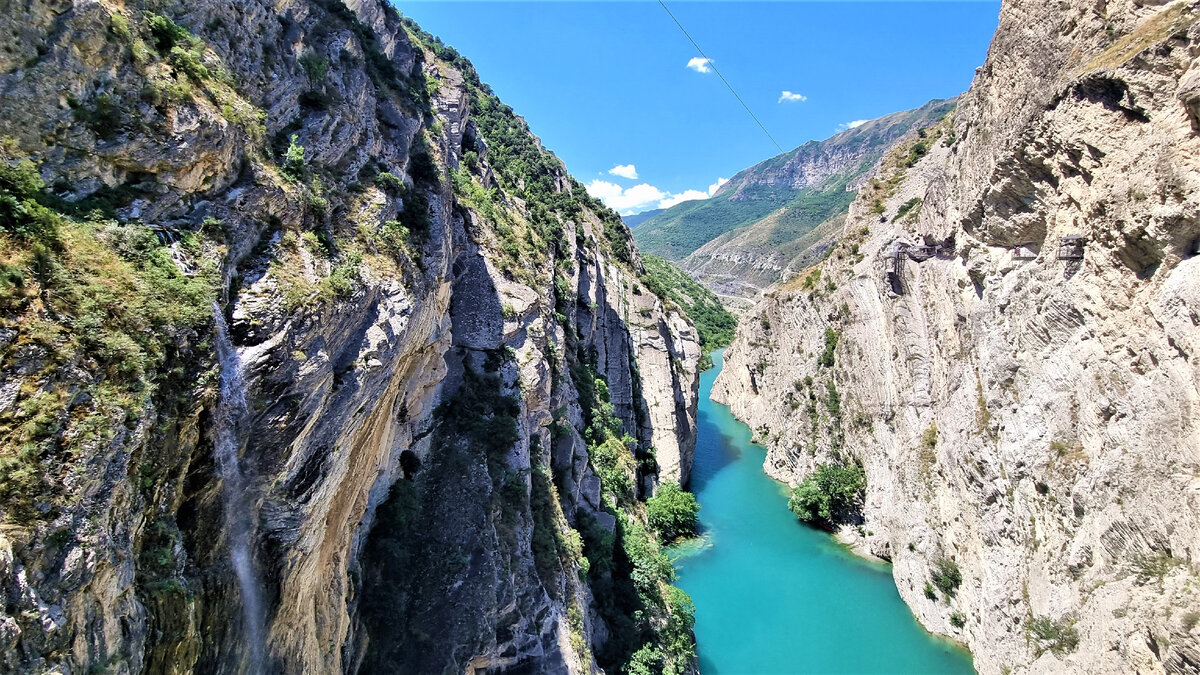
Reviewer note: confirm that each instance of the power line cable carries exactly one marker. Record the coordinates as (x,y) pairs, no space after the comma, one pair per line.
(709,63)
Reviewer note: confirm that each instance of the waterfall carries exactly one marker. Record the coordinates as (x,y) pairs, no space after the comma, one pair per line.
(231,415)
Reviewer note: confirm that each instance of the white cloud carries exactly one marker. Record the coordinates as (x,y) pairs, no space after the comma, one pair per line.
(791,97)
(624,171)
(700,65)
(852,125)
(685,196)
(644,196)
(626,201)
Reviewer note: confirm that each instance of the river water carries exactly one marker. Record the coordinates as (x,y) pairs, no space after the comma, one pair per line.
(775,596)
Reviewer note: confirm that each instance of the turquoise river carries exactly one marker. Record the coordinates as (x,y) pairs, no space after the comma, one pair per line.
(775,596)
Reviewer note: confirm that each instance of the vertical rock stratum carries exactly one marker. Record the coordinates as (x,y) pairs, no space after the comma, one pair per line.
(1026,407)
(435,327)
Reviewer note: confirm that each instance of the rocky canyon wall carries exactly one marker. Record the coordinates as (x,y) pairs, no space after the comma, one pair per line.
(1029,419)
(417,292)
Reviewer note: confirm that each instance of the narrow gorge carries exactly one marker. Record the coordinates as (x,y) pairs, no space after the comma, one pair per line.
(313,359)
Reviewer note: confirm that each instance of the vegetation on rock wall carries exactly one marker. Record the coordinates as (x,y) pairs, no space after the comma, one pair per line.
(672,512)
(649,620)
(97,317)
(526,170)
(832,494)
(714,323)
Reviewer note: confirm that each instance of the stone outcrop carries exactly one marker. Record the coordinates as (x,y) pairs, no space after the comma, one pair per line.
(1031,418)
(376,267)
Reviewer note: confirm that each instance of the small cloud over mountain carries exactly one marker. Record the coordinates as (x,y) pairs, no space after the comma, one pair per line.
(852,125)
(645,196)
(792,97)
(700,65)
(624,171)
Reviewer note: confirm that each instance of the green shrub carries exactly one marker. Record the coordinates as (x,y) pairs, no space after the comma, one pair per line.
(831,341)
(649,565)
(342,280)
(167,34)
(833,401)
(316,196)
(1057,637)
(390,183)
(930,592)
(906,207)
(470,160)
(672,512)
(1154,566)
(315,66)
(957,619)
(946,576)
(919,150)
(21,212)
(293,160)
(188,62)
(930,436)
(119,26)
(647,660)
(830,494)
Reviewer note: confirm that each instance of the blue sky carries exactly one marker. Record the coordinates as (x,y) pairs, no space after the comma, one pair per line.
(608,84)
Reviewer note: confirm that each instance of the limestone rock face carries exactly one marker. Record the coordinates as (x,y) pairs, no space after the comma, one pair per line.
(1033,419)
(358,303)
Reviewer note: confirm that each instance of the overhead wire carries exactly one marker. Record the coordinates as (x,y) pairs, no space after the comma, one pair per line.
(711,64)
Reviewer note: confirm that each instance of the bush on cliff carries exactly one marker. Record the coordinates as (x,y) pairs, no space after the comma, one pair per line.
(830,494)
(672,512)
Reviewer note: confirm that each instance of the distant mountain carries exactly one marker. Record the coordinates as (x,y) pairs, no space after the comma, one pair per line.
(746,235)
(639,218)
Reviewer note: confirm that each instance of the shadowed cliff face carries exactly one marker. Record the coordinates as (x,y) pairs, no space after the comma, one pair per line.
(1032,419)
(408,311)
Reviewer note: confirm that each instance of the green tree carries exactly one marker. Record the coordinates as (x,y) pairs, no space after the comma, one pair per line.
(946,576)
(829,493)
(672,512)
(293,160)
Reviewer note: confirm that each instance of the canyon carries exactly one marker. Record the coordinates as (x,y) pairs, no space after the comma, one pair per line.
(314,359)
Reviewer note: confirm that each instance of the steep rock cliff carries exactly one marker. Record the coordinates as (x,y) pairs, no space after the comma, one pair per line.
(1027,420)
(411,284)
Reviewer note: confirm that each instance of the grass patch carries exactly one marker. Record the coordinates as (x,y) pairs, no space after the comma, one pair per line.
(1154,30)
